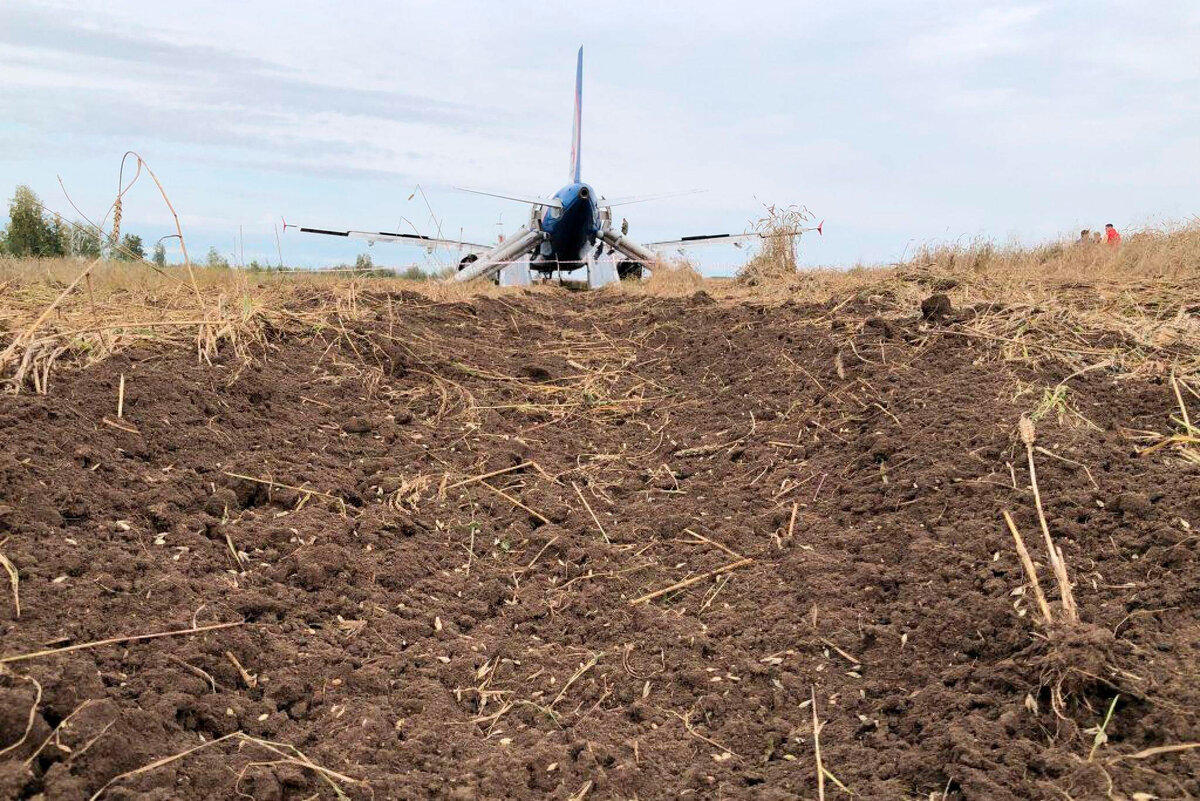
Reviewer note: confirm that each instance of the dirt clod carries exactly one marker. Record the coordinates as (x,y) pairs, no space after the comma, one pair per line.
(936,307)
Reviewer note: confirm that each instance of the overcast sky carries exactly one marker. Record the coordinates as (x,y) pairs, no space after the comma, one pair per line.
(897,122)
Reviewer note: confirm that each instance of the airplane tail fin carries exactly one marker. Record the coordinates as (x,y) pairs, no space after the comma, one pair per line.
(575,133)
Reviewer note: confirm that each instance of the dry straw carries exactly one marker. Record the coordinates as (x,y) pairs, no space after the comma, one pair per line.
(1057,562)
(14,579)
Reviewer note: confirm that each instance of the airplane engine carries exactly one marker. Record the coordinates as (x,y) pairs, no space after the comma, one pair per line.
(630,270)
(469,259)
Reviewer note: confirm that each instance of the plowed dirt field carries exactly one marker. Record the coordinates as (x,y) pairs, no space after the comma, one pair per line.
(602,545)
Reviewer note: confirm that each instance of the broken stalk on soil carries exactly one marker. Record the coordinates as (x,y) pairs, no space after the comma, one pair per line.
(588,506)
(14,578)
(816,724)
(299,760)
(679,585)
(117,640)
(37,699)
(1030,571)
(1057,563)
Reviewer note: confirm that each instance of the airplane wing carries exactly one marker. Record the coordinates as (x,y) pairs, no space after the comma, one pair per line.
(427,242)
(720,239)
(533,201)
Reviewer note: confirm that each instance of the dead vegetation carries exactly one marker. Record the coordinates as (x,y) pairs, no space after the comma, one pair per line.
(775,261)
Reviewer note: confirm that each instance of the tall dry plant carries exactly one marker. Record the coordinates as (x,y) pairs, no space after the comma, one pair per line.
(780,229)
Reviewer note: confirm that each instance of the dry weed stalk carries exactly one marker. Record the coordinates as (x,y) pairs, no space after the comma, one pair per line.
(37,699)
(36,350)
(295,757)
(816,724)
(679,585)
(1030,571)
(14,578)
(588,506)
(277,485)
(1156,750)
(117,641)
(584,668)
(545,520)
(178,230)
(775,263)
(1057,562)
(1184,441)
(56,733)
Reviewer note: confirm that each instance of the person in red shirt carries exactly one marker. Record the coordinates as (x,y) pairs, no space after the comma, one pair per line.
(1111,235)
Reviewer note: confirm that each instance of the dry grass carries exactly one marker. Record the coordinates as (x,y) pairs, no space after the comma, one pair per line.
(123,304)
(669,279)
(1136,307)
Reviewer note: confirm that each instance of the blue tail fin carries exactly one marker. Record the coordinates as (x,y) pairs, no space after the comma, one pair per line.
(575,134)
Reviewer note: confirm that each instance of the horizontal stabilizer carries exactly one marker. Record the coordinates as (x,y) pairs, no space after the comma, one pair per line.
(625,201)
(720,239)
(550,202)
(372,237)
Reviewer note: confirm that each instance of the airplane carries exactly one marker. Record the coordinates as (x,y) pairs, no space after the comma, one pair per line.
(567,231)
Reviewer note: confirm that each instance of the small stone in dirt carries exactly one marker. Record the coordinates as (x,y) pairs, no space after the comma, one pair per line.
(537,372)
(1131,503)
(358,425)
(222,502)
(398,363)
(44,513)
(886,327)
(881,448)
(314,566)
(936,307)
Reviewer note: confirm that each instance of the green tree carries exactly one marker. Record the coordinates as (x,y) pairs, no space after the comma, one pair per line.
(131,248)
(59,236)
(29,231)
(85,243)
(160,254)
(364,262)
(215,259)
(414,273)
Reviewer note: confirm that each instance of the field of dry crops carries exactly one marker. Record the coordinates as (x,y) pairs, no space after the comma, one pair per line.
(925,533)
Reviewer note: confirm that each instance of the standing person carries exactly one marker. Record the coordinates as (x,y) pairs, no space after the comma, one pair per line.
(1096,237)
(1112,235)
(1085,237)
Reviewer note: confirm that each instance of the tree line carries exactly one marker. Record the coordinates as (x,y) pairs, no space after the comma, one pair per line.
(32,232)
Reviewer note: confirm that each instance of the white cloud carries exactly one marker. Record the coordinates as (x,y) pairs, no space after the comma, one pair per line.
(977,34)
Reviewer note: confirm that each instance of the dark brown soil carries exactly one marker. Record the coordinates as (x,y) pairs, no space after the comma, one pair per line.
(431,638)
